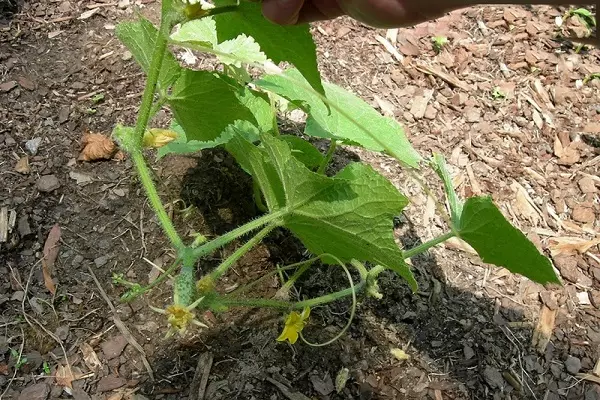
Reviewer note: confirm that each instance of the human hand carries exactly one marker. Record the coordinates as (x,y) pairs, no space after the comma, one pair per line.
(376,13)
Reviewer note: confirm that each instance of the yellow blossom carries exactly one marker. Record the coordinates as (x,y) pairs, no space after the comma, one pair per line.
(158,137)
(294,323)
(179,317)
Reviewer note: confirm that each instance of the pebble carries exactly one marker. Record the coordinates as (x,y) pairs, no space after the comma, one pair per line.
(47,183)
(39,391)
(587,185)
(114,347)
(573,364)
(23,226)
(109,383)
(568,268)
(33,145)
(583,214)
(493,377)
(101,261)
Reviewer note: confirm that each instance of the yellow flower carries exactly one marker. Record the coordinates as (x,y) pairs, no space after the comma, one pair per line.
(158,137)
(294,323)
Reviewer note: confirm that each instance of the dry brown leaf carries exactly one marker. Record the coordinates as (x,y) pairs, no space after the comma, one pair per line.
(523,204)
(543,330)
(97,147)
(570,245)
(22,165)
(90,358)
(65,377)
(51,248)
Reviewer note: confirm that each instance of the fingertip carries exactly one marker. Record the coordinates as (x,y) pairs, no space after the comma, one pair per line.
(283,12)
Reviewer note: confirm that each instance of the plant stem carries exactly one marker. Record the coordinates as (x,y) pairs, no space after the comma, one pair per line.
(303,267)
(332,146)
(232,259)
(158,55)
(258,196)
(423,247)
(237,232)
(286,305)
(166,223)
(160,48)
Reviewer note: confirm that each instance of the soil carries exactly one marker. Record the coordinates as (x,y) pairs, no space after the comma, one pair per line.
(506,100)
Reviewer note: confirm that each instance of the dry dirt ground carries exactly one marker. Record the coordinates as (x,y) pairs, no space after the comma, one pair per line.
(515,109)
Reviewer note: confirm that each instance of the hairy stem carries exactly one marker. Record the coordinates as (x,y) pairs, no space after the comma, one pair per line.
(221,241)
(158,56)
(332,146)
(286,305)
(158,207)
(232,259)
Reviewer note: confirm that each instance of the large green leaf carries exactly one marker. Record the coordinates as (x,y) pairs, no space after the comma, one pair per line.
(497,242)
(349,215)
(293,44)
(357,123)
(139,37)
(204,104)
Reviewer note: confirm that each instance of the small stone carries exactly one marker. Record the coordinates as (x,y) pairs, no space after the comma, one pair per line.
(583,214)
(26,83)
(39,391)
(101,261)
(595,297)
(109,383)
(587,185)
(8,86)
(80,394)
(33,145)
(9,141)
(472,114)
(78,259)
(47,183)
(322,386)
(23,226)
(549,299)
(62,332)
(126,56)
(583,298)
(493,377)
(114,347)
(573,365)
(568,268)
(63,114)
(468,352)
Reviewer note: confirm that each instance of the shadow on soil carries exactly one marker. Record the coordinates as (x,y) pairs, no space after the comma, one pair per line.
(466,345)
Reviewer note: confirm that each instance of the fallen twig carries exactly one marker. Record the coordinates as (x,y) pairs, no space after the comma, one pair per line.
(198,386)
(121,326)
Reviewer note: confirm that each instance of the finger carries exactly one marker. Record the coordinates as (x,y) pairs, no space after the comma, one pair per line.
(318,10)
(283,12)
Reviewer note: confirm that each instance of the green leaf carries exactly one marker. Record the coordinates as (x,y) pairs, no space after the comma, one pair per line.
(438,163)
(243,50)
(236,52)
(182,146)
(204,104)
(497,242)
(202,31)
(260,107)
(349,216)
(293,44)
(139,37)
(304,152)
(348,118)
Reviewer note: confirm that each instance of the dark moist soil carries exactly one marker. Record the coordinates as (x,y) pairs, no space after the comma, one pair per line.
(467,332)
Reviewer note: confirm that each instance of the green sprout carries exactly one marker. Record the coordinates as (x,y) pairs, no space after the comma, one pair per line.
(498,94)
(439,42)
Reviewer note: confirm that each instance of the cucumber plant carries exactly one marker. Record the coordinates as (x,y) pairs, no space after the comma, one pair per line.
(343,220)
